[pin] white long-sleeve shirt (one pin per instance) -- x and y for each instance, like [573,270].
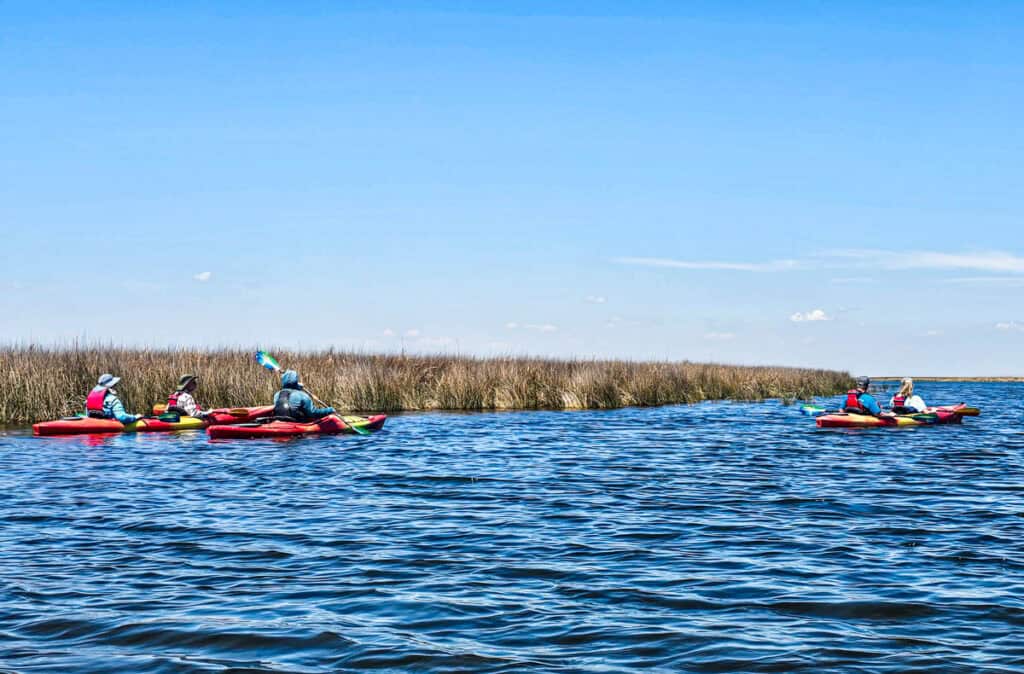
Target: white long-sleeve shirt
[187,403]
[914,401]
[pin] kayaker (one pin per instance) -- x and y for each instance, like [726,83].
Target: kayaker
[182,402]
[859,401]
[905,402]
[292,402]
[103,402]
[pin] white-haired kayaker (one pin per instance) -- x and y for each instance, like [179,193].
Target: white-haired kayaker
[182,401]
[103,402]
[859,401]
[291,402]
[905,402]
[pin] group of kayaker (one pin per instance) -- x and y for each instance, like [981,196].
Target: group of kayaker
[294,403]
[859,401]
[291,402]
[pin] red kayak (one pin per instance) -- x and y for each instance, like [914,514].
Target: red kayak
[329,425]
[948,414]
[90,426]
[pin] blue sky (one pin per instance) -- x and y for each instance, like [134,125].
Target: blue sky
[826,184]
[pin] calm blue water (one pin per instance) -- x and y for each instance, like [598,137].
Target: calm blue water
[715,537]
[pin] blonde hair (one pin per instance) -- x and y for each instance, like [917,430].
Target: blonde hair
[906,387]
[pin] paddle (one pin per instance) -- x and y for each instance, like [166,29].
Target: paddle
[269,363]
[923,417]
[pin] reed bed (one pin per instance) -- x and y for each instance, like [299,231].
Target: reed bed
[50,382]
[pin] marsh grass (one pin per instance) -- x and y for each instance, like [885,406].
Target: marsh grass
[49,382]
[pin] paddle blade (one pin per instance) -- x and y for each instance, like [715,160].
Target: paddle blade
[812,410]
[351,423]
[968,411]
[267,361]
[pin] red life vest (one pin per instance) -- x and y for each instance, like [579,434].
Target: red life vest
[898,400]
[172,401]
[94,402]
[853,400]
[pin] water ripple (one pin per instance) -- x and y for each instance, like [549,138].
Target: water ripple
[716,537]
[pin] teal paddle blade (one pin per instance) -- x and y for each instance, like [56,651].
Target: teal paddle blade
[267,361]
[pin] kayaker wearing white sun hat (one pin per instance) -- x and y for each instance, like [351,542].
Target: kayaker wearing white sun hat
[103,403]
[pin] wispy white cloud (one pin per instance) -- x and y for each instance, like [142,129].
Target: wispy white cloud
[987,280]
[1010,325]
[539,327]
[774,265]
[595,299]
[932,333]
[720,336]
[854,258]
[203,276]
[412,332]
[852,280]
[388,332]
[810,316]
[992,261]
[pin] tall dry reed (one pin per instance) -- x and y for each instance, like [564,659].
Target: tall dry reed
[47,382]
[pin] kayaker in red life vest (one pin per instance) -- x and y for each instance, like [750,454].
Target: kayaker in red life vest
[905,402]
[859,401]
[182,402]
[103,403]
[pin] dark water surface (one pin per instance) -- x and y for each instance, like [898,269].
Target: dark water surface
[716,537]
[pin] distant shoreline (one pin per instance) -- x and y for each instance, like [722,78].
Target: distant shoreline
[975,379]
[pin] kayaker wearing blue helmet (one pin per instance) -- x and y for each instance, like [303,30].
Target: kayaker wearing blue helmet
[291,402]
[859,401]
[103,403]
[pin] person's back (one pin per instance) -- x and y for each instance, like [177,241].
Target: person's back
[104,403]
[291,402]
[859,401]
[904,401]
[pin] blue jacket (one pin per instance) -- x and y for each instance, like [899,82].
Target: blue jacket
[302,407]
[869,403]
